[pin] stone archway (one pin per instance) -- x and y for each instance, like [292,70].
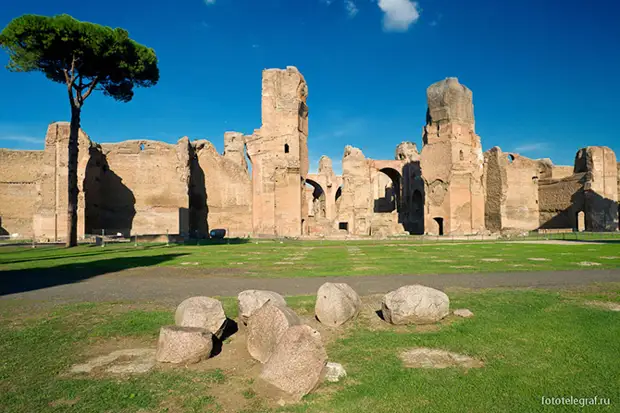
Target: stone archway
[317,205]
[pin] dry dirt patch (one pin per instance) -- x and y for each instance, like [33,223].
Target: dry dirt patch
[428,358]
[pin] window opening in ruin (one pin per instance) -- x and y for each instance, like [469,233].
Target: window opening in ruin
[316,200]
[344,226]
[461,157]
[141,146]
[439,222]
[388,193]
[511,158]
[286,148]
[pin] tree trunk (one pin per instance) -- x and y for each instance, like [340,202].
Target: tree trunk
[72,180]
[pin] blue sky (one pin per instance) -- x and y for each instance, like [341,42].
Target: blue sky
[544,73]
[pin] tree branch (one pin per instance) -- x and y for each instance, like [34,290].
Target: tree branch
[90,88]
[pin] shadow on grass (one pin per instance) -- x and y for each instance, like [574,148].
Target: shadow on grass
[91,251]
[215,241]
[18,281]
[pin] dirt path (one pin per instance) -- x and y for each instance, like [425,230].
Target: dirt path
[171,285]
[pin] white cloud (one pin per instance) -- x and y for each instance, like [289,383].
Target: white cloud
[209,2]
[399,14]
[532,147]
[23,139]
[352,9]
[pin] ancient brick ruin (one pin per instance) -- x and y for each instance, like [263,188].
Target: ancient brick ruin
[260,185]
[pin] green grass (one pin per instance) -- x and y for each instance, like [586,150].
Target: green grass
[316,258]
[534,343]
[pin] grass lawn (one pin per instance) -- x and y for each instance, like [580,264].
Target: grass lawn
[319,258]
[534,343]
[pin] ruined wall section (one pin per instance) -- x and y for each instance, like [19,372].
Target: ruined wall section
[355,203]
[19,191]
[452,161]
[279,154]
[50,218]
[560,200]
[319,207]
[146,187]
[601,187]
[412,203]
[220,191]
[511,186]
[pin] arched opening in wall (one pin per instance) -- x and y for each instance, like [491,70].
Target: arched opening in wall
[510,158]
[387,191]
[141,146]
[438,225]
[316,199]
[461,156]
[286,148]
[581,221]
[337,198]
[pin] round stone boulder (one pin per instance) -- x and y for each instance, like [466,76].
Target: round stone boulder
[265,328]
[251,300]
[201,312]
[183,344]
[415,304]
[297,365]
[336,303]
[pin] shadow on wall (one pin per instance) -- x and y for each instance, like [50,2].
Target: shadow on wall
[3,231]
[198,214]
[599,214]
[109,204]
[414,198]
[19,281]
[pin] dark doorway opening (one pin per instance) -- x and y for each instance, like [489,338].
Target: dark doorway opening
[344,226]
[439,222]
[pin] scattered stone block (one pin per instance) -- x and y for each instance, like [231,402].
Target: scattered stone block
[183,344]
[265,328]
[336,303]
[415,304]
[463,312]
[298,362]
[201,312]
[334,372]
[251,300]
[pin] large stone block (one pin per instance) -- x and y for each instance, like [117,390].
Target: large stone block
[336,303]
[297,365]
[183,344]
[415,304]
[201,312]
[266,327]
[250,301]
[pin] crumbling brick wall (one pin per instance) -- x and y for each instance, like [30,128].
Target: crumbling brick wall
[452,162]
[511,187]
[220,191]
[146,186]
[19,191]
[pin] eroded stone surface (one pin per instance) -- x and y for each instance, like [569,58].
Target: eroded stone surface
[336,303]
[298,362]
[138,360]
[334,372]
[250,301]
[463,312]
[201,312]
[266,327]
[415,304]
[183,344]
[428,358]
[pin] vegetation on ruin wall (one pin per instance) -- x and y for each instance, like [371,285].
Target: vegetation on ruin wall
[85,57]
[312,259]
[533,343]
